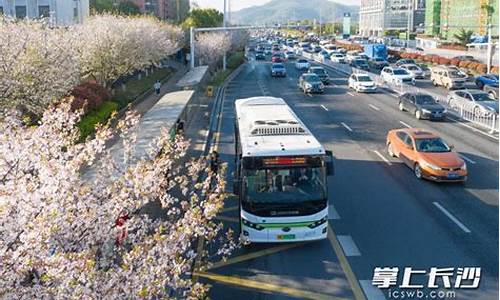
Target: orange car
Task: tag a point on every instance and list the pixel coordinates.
(427, 154)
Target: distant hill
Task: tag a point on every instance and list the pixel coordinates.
(279, 11)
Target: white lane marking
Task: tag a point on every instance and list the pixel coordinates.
(324, 107)
(346, 127)
(452, 217)
(372, 292)
(382, 157)
(374, 107)
(467, 159)
(309, 95)
(472, 128)
(332, 213)
(404, 124)
(348, 245)
(349, 93)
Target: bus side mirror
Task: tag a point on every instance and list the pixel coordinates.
(329, 163)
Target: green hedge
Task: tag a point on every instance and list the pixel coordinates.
(233, 62)
(99, 115)
(137, 87)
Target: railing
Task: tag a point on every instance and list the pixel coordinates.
(470, 113)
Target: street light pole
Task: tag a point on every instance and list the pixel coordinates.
(409, 24)
(224, 25)
(490, 47)
(191, 44)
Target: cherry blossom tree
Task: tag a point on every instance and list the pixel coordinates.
(128, 232)
(211, 46)
(37, 64)
(112, 46)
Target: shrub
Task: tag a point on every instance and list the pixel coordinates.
(464, 63)
(88, 95)
(481, 68)
(436, 58)
(444, 61)
(494, 70)
(455, 61)
(99, 115)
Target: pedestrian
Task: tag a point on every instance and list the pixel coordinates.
(157, 87)
(179, 126)
(214, 162)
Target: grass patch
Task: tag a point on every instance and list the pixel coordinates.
(92, 118)
(137, 87)
(234, 61)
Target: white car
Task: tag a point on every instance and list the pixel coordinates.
(302, 64)
(361, 83)
(290, 55)
(414, 70)
(338, 58)
(396, 76)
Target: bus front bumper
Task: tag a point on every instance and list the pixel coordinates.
(284, 234)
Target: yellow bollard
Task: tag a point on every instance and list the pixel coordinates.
(210, 91)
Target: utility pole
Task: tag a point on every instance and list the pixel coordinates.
(320, 21)
(409, 24)
(490, 48)
(191, 45)
(224, 24)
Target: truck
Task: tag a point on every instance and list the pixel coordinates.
(377, 55)
(376, 51)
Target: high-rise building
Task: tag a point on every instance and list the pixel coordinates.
(59, 12)
(173, 10)
(376, 16)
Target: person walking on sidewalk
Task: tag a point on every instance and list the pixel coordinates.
(214, 162)
(157, 87)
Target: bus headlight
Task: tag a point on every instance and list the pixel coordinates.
(318, 223)
(251, 225)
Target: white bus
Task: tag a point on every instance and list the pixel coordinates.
(281, 174)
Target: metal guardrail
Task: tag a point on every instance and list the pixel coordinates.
(468, 113)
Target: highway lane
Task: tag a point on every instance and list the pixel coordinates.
(476, 203)
(389, 215)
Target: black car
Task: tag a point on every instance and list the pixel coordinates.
(322, 74)
(360, 64)
(310, 83)
(259, 55)
(423, 106)
(278, 70)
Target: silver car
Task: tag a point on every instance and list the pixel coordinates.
(476, 101)
(414, 70)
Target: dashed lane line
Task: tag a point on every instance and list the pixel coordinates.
(371, 292)
(350, 94)
(348, 245)
(324, 107)
(346, 127)
(404, 124)
(254, 255)
(266, 286)
(452, 217)
(467, 159)
(344, 264)
(382, 157)
(374, 107)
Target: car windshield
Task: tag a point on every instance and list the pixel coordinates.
(481, 97)
(359, 62)
(425, 99)
(291, 185)
(431, 145)
(492, 77)
(364, 78)
(412, 68)
(379, 59)
(319, 71)
(278, 66)
(312, 78)
(302, 61)
(454, 74)
(400, 72)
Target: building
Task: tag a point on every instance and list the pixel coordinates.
(445, 18)
(377, 16)
(60, 12)
(173, 10)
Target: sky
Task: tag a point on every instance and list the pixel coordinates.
(239, 4)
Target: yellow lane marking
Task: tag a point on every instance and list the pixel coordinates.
(254, 255)
(267, 287)
(228, 219)
(344, 264)
(230, 208)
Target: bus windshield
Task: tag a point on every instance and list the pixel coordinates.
(285, 187)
